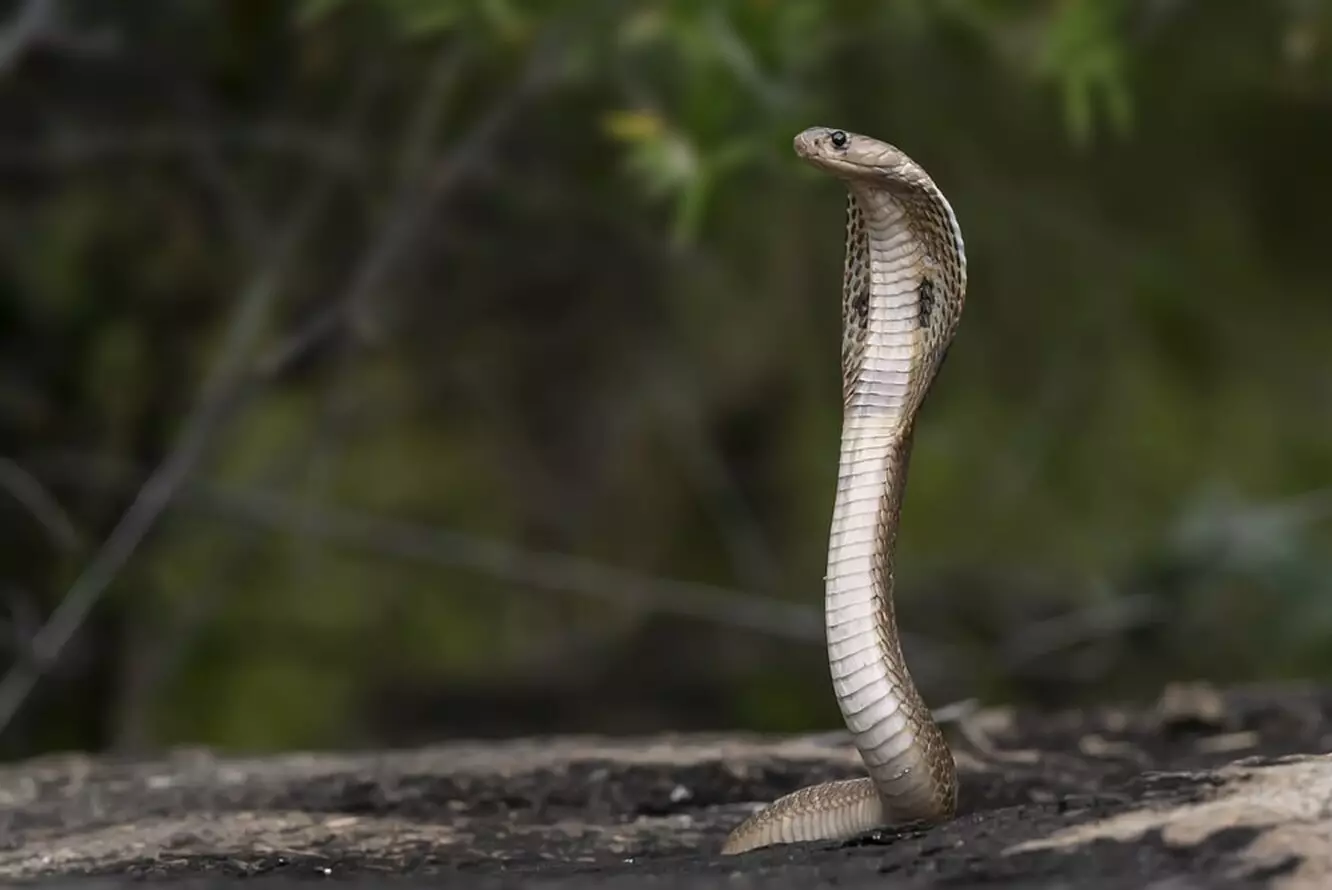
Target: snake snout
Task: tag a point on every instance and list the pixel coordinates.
(816, 142)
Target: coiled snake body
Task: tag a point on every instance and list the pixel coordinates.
(904, 285)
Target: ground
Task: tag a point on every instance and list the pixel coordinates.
(1203, 789)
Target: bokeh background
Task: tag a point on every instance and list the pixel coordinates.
(388, 371)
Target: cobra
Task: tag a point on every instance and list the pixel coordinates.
(903, 289)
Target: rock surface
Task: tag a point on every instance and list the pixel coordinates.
(1202, 790)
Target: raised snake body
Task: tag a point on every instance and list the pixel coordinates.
(904, 286)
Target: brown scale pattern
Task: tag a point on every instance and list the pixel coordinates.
(855, 297)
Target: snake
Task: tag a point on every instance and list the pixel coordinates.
(903, 288)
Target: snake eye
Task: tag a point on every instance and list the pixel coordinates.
(838, 139)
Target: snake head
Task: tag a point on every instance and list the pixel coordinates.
(857, 158)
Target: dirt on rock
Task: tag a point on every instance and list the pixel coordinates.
(1203, 789)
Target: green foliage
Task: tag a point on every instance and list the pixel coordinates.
(1085, 53)
(613, 333)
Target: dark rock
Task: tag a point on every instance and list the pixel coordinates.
(1236, 794)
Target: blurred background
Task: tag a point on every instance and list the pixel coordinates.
(388, 371)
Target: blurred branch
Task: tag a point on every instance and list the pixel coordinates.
(155, 648)
(217, 403)
(424, 123)
(32, 20)
(222, 393)
(231, 381)
(1030, 643)
(1109, 618)
(155, 654)
(248, 229)
(444, 547)
(531, 568)
(45, 509)
(39, 23)
(337, 408)
(416, 200)
(214, 406)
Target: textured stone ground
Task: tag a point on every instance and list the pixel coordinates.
(1202, 790)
